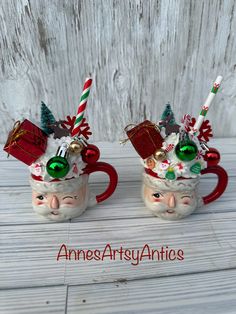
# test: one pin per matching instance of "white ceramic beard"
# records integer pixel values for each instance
(78, 186)
(178, 187)
(161, 210)
(64, 213)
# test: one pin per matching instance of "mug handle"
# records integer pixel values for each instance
(222, 182)
(113, 178)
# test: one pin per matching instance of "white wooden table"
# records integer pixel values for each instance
(33, 281)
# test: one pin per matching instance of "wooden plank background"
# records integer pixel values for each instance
(141, 55)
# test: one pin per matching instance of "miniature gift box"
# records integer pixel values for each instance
(26, 142)
(60, 160)
(145, 137)
(172, 172)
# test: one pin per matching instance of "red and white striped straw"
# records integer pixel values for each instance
(82, 106)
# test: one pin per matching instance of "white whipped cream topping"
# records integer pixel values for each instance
(172, 163)
(38, 168)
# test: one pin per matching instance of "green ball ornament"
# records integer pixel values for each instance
(57, 167)
(186, 150)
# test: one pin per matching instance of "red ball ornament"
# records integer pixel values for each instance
(212, 156)
(90, 154)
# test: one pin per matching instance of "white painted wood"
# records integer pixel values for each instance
(141, 54)
(28, 255)
(208, 242)
(33, 300)
(212, 292)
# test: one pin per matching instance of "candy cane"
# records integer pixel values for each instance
(207, 104)
(186, 121)
(82, 106)
(169, 148)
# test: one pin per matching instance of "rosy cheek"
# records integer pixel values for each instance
(156, 200)
(39, 203)
(187, 202)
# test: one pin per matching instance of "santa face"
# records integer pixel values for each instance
(60, 206)
(169, 205)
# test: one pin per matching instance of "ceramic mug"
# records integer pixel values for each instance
(172, 200)
(63, 200)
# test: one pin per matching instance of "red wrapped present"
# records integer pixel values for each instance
(26, 142)
(145, 137)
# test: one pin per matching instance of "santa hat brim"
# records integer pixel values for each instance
(58, 186)
(181, 184)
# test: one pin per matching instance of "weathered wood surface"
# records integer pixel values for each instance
(194, 293)
(34, 300)
(32, 281)
(29, 252)
(141, 55)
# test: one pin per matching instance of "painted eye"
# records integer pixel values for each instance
(40, 197)
(156, 195)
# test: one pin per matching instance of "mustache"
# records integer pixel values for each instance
(45, 209)
(162, 207)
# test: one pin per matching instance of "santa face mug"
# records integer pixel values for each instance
(173, 200)
(60, 160)
(63, 200)
(174, 158)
